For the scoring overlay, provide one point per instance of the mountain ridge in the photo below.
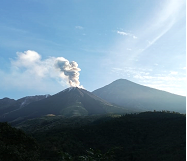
(69, 102)
(8, 105)
(120, 96)
(129, 94)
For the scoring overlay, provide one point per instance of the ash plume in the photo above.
(29, 65)
(70, 70)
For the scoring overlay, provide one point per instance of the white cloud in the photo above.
(126, 34)
(173, 73)
(171, 81)
(170, 12)
(165, 15)
(30, 62)
(79, 27)
(129, 49)
(29, 71)
(122, 33)
(116, 69)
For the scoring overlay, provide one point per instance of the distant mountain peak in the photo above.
(129, 94)
(122, 81)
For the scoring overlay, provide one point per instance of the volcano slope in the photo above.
(129, 94)
(72, 101)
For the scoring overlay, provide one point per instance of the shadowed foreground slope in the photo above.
(143, 137)
(15, 145)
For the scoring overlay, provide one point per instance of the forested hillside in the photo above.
(15, 145)
(133, 137)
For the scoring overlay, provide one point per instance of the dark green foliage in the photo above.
(141, 137)
(15, 145)
(97, 155)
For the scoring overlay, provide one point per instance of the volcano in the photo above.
(72, 101)
(129, 94)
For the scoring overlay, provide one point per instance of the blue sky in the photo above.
(143, 41)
